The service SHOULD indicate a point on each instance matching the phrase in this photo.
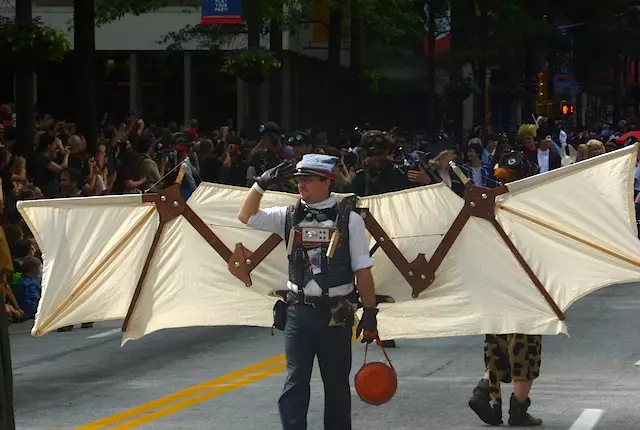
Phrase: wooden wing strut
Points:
(170, 205)
(419, 273)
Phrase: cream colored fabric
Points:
(93, 251)
(479, 288)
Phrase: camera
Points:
(409, 161)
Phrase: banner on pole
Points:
(221, 12)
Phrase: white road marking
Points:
(587, 419)
(105, 333)
(637, 363)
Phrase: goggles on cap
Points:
(298, 138)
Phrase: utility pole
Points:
(253, 85)
(275, 81)
(84, 57)
(432, 129)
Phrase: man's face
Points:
(378, 159)
(545, 144)
(313, 189)
(491, 145)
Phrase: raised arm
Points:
(251, 203)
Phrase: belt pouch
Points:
(279, 315)
(342, 312)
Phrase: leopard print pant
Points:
(511, 357)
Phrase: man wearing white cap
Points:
(322, 294)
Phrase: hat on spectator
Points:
(443, 144)
(375, 139)
(271, 128)
(317, 165)
(300, 138)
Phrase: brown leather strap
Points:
(206, 233)
(417, 273)
(243, 261)
(379, 342)
(528, 269)
(265, 249)
(445, 245)
(143, 275)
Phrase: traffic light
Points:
(567, 109)
(543, 92)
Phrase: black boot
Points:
(518, 416)
(390, 343)
(480, 402)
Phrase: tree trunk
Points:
(625, 85)
(616, 91)
(459, 14)
(334, 54)
(481, 75)
(432, 127)
(355, 66)
(636, 80)
(531, 85)
(7, 420)
(275, 80)
(24, 91)
(253, 86)
(85, 70)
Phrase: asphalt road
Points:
(69, 380)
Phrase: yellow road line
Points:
(177, 407)
(180, 395)
(187, 397)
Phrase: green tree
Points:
(112, 10)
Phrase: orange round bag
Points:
(376, 382)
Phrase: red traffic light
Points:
(567, 109)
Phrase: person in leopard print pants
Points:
(509, 357)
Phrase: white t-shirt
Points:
(273, 221)
(543, 160)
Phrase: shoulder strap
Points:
(289, 220)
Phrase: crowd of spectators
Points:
(133, 157)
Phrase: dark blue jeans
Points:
(307, 334)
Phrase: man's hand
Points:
(276, 175)
(419, 176)
(368, 325)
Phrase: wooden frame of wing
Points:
(419, 273)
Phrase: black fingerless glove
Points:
(276, 175)
(368, 325)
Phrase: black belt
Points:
(314, 301)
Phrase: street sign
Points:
(221, 12)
